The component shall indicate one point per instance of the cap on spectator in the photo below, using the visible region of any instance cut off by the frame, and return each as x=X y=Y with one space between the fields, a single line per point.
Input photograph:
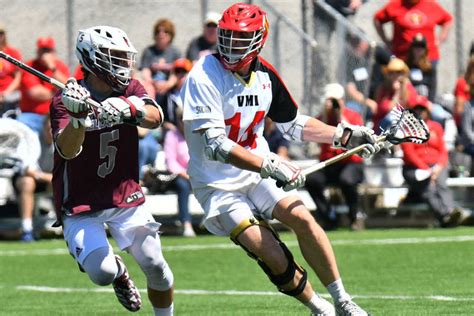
x=212 y=18
x=46 y=43
x=420 y=101
x=396 y=65
x=183 y=63
x=333 y=91
x=2 y=28
x=419 y=41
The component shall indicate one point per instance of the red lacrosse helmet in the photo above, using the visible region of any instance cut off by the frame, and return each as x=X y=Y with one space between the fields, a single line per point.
x=241 y=33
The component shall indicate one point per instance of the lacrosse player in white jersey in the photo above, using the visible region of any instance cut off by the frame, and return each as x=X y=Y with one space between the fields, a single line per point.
x=233 y=173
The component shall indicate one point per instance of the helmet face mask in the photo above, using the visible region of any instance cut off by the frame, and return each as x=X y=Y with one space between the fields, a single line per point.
x=107 y=53
x=241 y=34
x=236 y=46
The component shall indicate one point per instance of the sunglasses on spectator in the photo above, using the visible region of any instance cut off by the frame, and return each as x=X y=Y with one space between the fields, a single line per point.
x=180 y=71
x=162 y=31
x=211 y=25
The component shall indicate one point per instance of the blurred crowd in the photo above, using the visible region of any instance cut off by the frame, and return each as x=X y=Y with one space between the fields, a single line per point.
x=404 y=74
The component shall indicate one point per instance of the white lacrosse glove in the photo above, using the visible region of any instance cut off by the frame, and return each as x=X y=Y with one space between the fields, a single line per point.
x=74 y=99
x=119 y=110
x=287 y=174
x=349 y=136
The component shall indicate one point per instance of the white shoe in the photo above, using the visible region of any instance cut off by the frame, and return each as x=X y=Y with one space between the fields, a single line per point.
x=323 y=308
x=188 y=231
x=349 y=308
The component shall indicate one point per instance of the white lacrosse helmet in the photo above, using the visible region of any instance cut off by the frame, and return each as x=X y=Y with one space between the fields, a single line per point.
x=107 y=52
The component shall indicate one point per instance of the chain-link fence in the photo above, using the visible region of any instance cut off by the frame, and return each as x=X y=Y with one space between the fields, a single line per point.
x=344 y=54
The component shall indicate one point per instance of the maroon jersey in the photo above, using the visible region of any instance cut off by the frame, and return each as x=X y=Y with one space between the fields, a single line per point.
x=105 y=173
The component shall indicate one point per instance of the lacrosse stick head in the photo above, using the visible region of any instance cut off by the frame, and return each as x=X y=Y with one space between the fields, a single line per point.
x=407 y=126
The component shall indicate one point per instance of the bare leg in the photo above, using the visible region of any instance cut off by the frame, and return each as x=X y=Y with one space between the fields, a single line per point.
x=160 y=299
x=312 y=239
x=26 y=185
x=261 y=242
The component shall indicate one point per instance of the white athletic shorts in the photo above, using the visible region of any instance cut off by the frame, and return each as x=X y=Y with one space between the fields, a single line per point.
x=259 y=197
x=85 y=232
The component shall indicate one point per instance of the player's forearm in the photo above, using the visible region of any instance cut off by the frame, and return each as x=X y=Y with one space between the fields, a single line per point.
x=318 y=131
x=70 y=140
x=244 y=159
x=152 y=118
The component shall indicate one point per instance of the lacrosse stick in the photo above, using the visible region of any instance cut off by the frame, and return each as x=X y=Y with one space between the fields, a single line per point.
x=407 y=127
x=43 y=77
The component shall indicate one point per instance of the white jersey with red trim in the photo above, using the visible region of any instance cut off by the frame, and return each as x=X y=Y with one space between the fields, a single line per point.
x=215 y=97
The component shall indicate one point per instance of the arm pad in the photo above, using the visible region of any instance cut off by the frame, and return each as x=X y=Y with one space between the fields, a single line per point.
x=293 y=130
x=217 y=145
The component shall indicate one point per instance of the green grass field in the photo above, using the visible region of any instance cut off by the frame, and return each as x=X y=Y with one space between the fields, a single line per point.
x=389 y=272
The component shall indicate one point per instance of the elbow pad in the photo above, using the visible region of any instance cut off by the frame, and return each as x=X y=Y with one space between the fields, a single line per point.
x=293 y=130
x=217 y=145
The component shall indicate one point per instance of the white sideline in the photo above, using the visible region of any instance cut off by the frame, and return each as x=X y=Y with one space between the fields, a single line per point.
x=229 y=245
x=245 y=293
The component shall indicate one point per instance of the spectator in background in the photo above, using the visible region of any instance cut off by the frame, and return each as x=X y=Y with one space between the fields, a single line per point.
x=425 y=171
x=357 y=74
x=205 y=43
x=277 y=143
x=381 y=59
x=181 y=68
x=325 y=25
x=346 y=174
x=148 y=147
x=421 y=68
x=177 y=158
x=464 y=90
x=157 y=60
x=466 y=132
x=395 y=90
x=36 y=94
x=410 y=17
x=35 y=179
x=10 y=76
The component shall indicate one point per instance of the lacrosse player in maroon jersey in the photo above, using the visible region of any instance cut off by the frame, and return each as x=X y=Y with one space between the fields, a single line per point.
x=233 y=173
x=95 y=175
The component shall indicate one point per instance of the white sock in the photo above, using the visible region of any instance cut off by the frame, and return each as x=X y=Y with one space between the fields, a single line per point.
x=318 y=304
x=337 y=291
x=120 y=270
x=167 y=311
x=27 y=225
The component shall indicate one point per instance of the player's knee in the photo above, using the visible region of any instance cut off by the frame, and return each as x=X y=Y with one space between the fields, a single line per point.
x=294 y=278
x=159 y=276
x=147 y=251
x=302 y=221
x=102 y=270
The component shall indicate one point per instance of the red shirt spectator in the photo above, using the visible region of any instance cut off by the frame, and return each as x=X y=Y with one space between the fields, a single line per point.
x=410 y=17
x=8 y=71
x=462 y=91
x=10 y=75
x=433 y=152
x=396 y=89
x=423 y=156
x=37 y=94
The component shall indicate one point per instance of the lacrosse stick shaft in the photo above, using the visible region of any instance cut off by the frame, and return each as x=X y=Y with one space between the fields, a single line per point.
x=330 y=161
x=42 y=76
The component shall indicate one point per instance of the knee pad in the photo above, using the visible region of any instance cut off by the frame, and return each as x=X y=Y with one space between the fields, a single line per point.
x=280 y=279
x=101 y=266
x=146 y=248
